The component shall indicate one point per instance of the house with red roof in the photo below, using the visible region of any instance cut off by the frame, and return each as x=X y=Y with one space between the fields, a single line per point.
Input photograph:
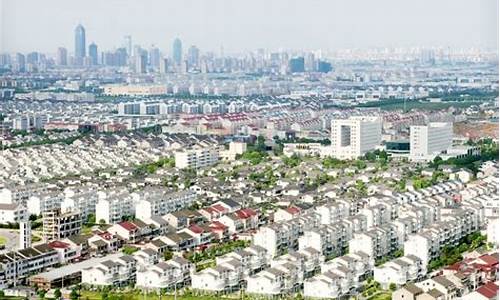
x=478 y=270
x=131 y=231
x=201 y=233
x=219 y=230
x=212 y=213
x=489 y=291
x=103 y=242
x=219 y=209
x=126 y=231
x=66 y=252
x=286 y=214
x=241 y=220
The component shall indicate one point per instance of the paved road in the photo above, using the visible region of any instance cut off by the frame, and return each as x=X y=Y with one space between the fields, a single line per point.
x=12 y=239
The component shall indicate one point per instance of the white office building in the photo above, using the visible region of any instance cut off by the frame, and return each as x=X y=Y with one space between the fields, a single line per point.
x=353 y=137
x=427 y=142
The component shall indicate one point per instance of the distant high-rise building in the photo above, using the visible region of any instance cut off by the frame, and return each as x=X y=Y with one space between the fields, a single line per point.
x=62 y=56
x=5 y=60
x=309 y=62
x=427 y=56
x=154 y=57
x=128 y=44
x=121 y=57
x=177 y=51
x=20 y=65
x=32 y=58
x=79 y=44
x=193 y=56
x=164 y=65
x=141 y=59
x=297 y=65
x=93 y=54
x=324 y=67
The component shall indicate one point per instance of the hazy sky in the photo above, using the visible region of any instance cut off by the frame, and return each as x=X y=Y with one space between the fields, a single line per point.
x=238 y=25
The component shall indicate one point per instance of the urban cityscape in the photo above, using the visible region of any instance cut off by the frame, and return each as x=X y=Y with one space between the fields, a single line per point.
x=207 y=168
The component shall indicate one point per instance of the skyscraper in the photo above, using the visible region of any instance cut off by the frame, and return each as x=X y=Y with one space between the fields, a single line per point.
x=163 y=65
x=324 y=66
x=20 y=65
x=297 y=65
x=121 y=57
x=177 y=51
x=62 y=56
x=309 y=62
x=79 y=44
x=154 y=57
x=141 y=58
x=193 y=56
x=128 y=44
x=93 y=54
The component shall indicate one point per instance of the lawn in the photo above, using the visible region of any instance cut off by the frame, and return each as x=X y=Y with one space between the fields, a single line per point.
x=3 y=240
x=381 y=296
x=413 y=104
x=90 y=295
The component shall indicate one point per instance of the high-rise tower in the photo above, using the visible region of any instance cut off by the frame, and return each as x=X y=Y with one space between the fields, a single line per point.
x=79 y=44
x=177 y=51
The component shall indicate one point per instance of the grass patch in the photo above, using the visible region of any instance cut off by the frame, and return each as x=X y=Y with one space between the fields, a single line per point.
x=381 y=296
x=3 y=240
x=399 y=104
x=91 y=295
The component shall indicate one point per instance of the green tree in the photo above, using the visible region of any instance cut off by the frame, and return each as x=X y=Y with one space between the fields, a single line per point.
x=360 y=164
x=57 y=294
x=74 y=294
x=129 y=250
x=168 y=255
x=392 y=286
x=91 y=219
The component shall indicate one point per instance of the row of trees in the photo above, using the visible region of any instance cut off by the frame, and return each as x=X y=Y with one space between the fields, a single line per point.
x=216 y=250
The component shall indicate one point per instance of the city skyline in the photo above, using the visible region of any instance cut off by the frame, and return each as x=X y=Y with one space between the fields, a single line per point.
x=244 y=27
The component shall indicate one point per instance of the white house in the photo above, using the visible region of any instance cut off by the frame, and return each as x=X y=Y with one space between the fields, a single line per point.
x=118 y=272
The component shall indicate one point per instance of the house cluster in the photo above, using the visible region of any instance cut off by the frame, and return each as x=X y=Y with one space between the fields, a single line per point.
x=373 y=229
x=476 y=277
x=326 y=250
x=91 y=153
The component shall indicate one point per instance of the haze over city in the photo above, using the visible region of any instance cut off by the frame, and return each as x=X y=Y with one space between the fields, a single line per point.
x=239 y=26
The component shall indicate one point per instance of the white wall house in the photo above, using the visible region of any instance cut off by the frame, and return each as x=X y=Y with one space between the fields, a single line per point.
x=165 y=274
x=114 y=207
x=117 y=272
x=196 y=158
x=399 y=271
x=12 y=213
x=157 y=202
